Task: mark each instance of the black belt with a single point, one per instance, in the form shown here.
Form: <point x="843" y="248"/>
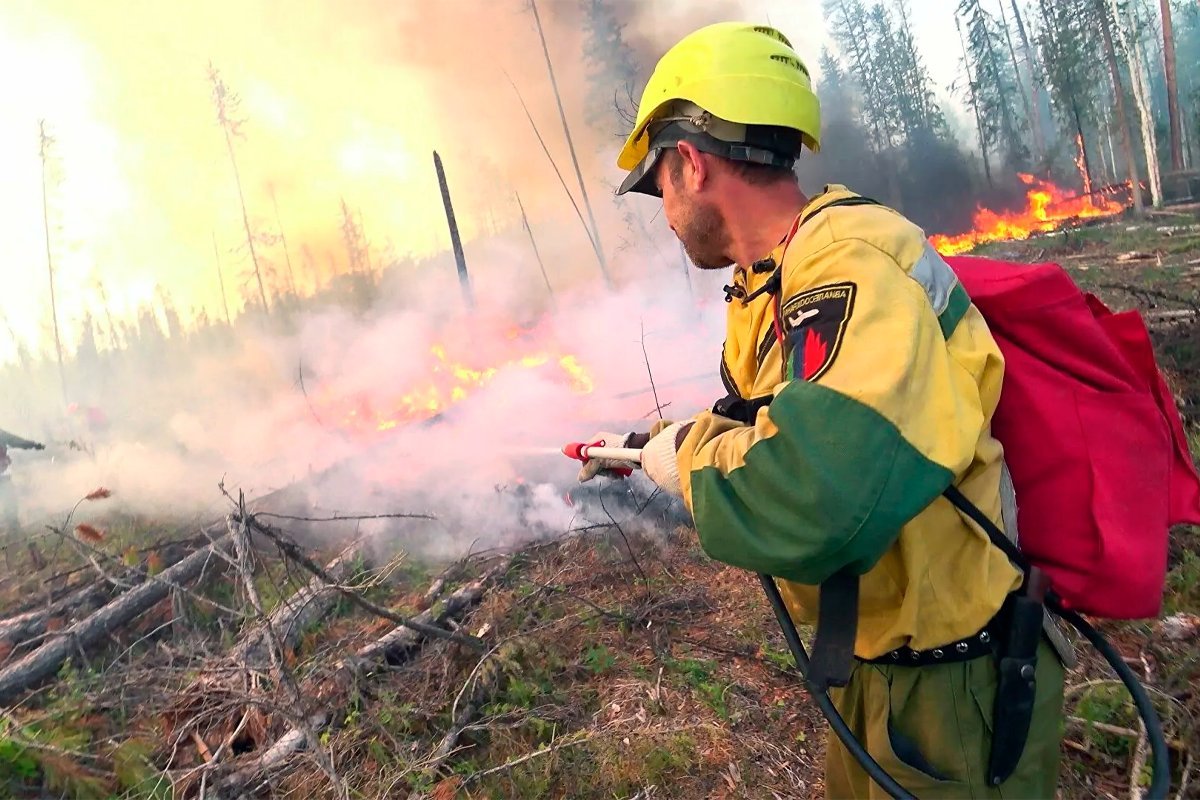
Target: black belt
<point x="978" y="644"/>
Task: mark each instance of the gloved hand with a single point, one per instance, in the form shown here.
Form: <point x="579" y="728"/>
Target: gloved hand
<point x="597" y="466"/>
<point x="660" y="459"/>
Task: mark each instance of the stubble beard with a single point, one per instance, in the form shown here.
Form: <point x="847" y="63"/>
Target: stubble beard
<point x="704" y="238"/>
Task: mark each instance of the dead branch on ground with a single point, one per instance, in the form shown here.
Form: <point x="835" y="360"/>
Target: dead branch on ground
<point x="43" y="662"/>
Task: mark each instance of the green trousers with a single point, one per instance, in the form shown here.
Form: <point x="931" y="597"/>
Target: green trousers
<point x="930" y="728"/>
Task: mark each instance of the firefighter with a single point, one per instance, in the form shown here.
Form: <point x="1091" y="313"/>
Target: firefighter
<point x="9" y="521"/>
<point x="861" y="381"/>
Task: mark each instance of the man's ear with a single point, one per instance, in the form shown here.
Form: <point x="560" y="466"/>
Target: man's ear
<point x="696" y="171"/>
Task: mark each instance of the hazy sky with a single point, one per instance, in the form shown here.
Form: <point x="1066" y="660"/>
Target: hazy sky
<point x="343" y="100"/>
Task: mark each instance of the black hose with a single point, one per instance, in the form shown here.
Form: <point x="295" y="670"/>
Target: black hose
<point x="1159" y="784"/>
<point x="876" y="772"/>
<point x="1161" y="781"/>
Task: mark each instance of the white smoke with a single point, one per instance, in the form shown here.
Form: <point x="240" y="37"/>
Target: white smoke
<point x="488" y="467"/>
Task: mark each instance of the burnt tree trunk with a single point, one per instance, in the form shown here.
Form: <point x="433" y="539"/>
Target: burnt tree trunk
<point x="43" y="662"/>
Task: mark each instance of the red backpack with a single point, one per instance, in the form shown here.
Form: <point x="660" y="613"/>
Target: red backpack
<point x="1091" y="436"/>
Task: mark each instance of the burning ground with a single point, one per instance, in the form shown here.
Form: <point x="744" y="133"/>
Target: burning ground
<point x="589" y="652"/>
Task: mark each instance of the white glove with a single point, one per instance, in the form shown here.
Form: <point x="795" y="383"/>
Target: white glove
<point x="595" y="466"/>
<point x="660" y="459"/>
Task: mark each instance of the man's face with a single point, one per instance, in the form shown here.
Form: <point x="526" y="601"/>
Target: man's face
<point x="693" y="217"/>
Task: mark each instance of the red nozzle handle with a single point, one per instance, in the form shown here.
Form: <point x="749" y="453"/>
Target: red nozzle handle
<point x="578" y="451"/>
<point x="574" y="450"/>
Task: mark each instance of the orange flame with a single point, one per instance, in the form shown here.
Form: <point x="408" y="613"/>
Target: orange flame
<point x="450" y="382"/>
<point x="1047" y="208"/>
<point x="1081" y="164"/>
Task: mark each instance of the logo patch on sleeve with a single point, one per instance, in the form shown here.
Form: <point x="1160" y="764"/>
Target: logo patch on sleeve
<point x="815" y="323"/>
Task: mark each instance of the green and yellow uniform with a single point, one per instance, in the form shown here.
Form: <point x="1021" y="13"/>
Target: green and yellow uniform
<point x="882" y="398"/>
<point x="882" y="393"/>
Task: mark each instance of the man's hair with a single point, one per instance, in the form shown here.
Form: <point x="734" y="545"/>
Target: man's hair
<point x="754" y="174"/>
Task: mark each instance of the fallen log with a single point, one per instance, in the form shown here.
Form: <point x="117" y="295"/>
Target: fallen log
<point x="23" y="627"/>
<point x="293" y="551"/>
<point x="297" y="613"/>
<point x="394" y="647"/>
<point x="1168" y="315"/>
<point x="39" y="664"/>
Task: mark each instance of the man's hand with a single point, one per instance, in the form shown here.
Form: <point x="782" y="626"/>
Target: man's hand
<point x="606" y="466"/>
<point x="659" y="458"/>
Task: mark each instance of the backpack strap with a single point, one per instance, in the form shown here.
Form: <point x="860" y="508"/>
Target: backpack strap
<point x="997" y="537"/>
<point x="837" y="628"/>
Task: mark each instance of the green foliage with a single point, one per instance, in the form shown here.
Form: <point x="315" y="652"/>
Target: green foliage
<point x="52" y="755"/>
<point x="993" y="90"/>
<point x="699" y="674"/>
<point x="136" y="772"/>
<point x="1108" y="704"/>
<point x="599" y="659"/>
<point x="884" y="76"/>
<point x="779" y="658"/>
<point x="1069" y="56"/>
<point x="1183" y="582"/>
<point x="663" y="761"/>
<point x="877" y="98"/>
<point x="16" y="761"/>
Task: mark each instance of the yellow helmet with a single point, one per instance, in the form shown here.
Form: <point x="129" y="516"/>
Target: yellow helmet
<point x="738" y="73"/>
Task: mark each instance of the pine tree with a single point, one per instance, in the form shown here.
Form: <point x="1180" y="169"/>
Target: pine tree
<point x="1034" y="72"/>
<point x="995" y="92"/>
<point x="924" y="116"/>
<point x="1069" y="43"/>
<point x="612" y="66"/>
<point x="844" y="138"/>
<point x="847" y="20"/>
<point x="973" y="102"/>
<point x="1031" y="115"/>
<point x="875" y="57"/>
<point x="892" y="99"/>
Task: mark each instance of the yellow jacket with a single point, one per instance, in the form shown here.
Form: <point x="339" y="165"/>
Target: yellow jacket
<point x="885" y="399"/>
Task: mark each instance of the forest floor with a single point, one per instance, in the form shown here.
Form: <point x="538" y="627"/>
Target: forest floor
<point x="614" y="662"/>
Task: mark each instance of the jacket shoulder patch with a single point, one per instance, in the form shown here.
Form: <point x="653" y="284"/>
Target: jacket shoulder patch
<point x="814" y="324"/>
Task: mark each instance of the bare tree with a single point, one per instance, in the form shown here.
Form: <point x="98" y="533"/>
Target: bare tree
<point x="108" y="317"/>
<point x="533" y="244"/>
<point x="227" y="104"/>
<point x="287" y="256"/>
<point x="571" y="146"/>
<point x="357" y="248"/>
<point x="221" y="279"/>
<point x="45" y="143"/>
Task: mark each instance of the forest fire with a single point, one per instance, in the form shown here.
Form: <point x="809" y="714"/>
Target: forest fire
<point x="449" y="382"/>
<point x="1047" y="208"/>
